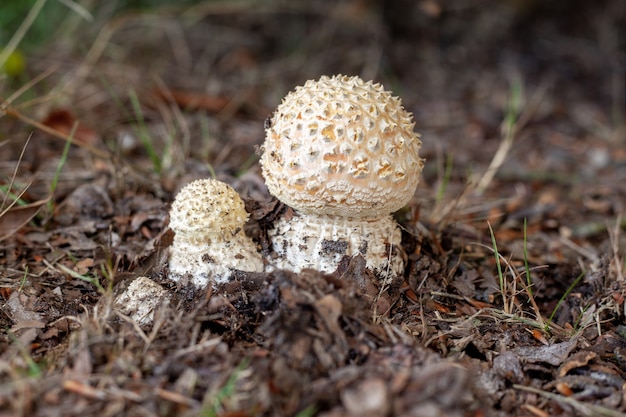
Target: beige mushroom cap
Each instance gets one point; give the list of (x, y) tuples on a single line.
[(207, 209), (342, 146)]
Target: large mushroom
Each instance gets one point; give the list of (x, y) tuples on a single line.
[(208, 217), (343, 154)]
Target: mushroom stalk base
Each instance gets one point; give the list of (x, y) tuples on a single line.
[(199, 264), (321, 241)]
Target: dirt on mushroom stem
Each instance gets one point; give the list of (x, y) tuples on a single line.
[(321, 241)]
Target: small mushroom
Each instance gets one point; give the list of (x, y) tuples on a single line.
[(208, 217), (140, 300), (343, 153)]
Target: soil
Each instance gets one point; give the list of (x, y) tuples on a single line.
[(512, 302)]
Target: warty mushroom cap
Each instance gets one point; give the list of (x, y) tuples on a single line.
[(206, 209), (342, 146)]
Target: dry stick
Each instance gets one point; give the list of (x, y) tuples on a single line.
[(512, 129), (7, 109), (590, 410), (498, 159), (110, 28), (614, 239), (78, 9), (29, 85), (531, 300), (97, 49), (12, 183)]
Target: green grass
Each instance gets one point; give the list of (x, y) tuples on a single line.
[(501, 280), (29, 24), (529, 284), (143, 133), (307, 412), (61, 164), (34, 370), (21, 23), (447, 174), (10, 195), (214, 408), (510, 128), (248, 163), (565, 294), (24, 278), (93, 280), (37, 21), (140, 128)]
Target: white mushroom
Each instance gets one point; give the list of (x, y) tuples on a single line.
[(342, 152), (141, 299), (208, 217)]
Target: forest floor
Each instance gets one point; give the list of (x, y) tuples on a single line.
[(513, 302)]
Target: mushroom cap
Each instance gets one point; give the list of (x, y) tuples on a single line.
[(342, 146), (207, 209)]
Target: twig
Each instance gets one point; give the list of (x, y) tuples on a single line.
[(614, 238), (7, 109), (590, 410)]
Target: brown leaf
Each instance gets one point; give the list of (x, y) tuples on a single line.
[(88, 201), (20, 312), (554, 354), (14, 218), (564, 389), (192, 100), (579, 359), (63, 121), (538, 335), (83, 266)]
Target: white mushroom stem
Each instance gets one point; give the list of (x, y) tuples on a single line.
[(321, 241), (199, 262)]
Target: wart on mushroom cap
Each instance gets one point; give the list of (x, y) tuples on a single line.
[(207, 217), (343, 153)]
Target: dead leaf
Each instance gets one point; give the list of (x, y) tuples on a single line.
[(538, 335), (579, 359), (23, 317), (553, 354), (82, 266), (88, 201), (508, 366), (192, 100), (63, 121), (564, 389), (14, 218)]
